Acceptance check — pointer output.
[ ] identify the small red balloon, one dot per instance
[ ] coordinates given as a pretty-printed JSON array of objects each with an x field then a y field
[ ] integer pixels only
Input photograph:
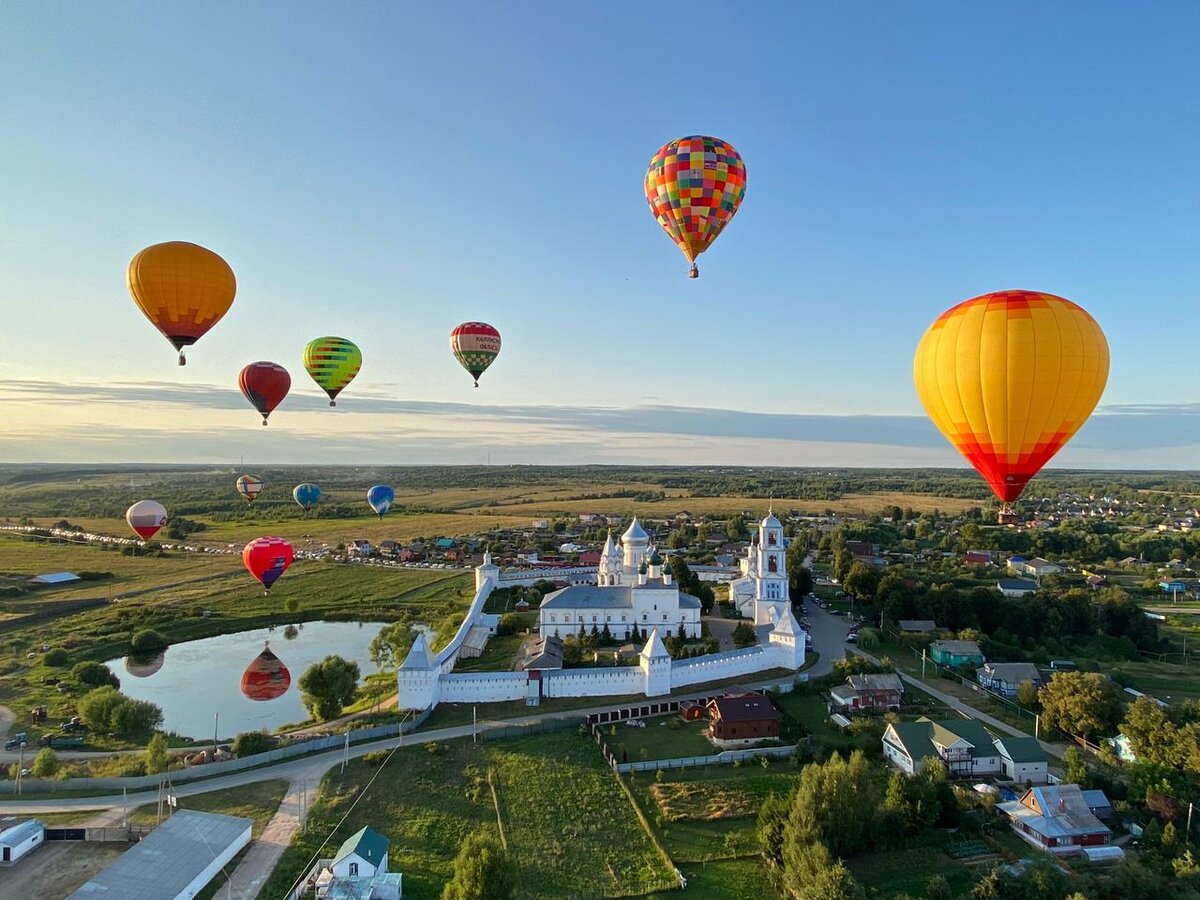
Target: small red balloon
[
  {"x": 266, "y": 678},
  {"x": 265, "y": 384}
]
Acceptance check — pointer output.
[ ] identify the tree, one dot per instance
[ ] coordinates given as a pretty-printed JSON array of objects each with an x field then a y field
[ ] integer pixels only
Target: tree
[
  {"x": 744, "y": 636},
  {"x": 833, "y": 805},
  {"x": 1074, "y": 767},
  {"x": 96, "y": 674},
  {"x": 326, "y": 687},
  {"x": 772, "y": 818},
  {"x": 1081, "y": 703},
  {"x": 389, "y": 647},
  {"x": 1152, "y": 735},
  {"x": 45, "y": 764},
  {"x": 811, "y": 873},
  {"x": 56, "y": 658},
  {"x": 157, "y": 758},
  {"x": 248, "y": 743},
  {"x": 862, "y": 581},
  {"x": 938, "y": 888},
  {"x": 134, "y": 718},
  {"x": 1027, "y": 694},
  {"x": 483, "y": 870},
  {"x": 147, "y": 641},
  {"x": 96, "y": 707}
]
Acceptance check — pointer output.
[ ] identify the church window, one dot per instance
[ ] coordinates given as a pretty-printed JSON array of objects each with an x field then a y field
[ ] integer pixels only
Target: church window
[
  {"x": 771, "y": 538},
  {"x": 622, "y": 617},
  {"x": 772, "y": 563},
  {"x": 594, "y": 617},
  {"x": 552, "y": 619},
  {"x": 664, "y": 617},
  {"x": 643, "y": 617},
  {"x": 353, "y": 870}
]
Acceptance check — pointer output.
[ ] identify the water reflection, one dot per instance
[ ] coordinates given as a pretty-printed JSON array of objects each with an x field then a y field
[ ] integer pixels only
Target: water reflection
[{"x": 197, "y": 680}]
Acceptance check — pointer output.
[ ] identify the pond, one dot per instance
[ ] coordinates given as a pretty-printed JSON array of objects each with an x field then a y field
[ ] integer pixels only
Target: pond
[{"x": 196, "y": 680}]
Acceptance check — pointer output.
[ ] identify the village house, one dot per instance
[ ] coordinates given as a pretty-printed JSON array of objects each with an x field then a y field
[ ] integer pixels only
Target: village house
[
  {"x": 1036, "y": 567},
  {"x": 967, "y": 748},
  {"x": 865, "y": 551},
  {"x": 1005, "y": 678},
  {"x": 740, "y": 720},
  {"x": 1059, "y": 819},
  {"x": 880, "y": 692},
  {"x": 917, "y": 626},
  {"x": 956, "y": 653},
  {"x": 359, "y": 870},
  {"x": 360, "y": 547},
  {"x": 978, "y": 558},
  {"x": 1016, "y": 587}
]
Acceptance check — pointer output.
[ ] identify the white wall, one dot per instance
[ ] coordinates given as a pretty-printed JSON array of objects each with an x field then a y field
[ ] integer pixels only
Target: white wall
[
  {"x": 572, "y": 575},
  {"x": 715, "y": 666},
  {"x": 482, "y": 687},
  {"x": 598, "y": 682}
]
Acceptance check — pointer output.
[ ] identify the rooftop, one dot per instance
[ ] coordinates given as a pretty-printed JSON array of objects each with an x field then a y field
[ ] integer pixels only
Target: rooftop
[
  {"x": 19, "y": 832},
  {"x": 593, "y": 596},
  {"x": 743, "y": 708},
  {"x": 367, "y": 843},
  {"x": 169, "y": 858}
]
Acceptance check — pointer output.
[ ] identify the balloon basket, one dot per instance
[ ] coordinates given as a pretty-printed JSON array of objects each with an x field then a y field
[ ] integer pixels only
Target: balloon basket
[
  {"x": 694, "y": 272},
  {"x": 182, "y": 359},
  {"x": 264, "y": 422},
  {"x": 333, "y": 403}
]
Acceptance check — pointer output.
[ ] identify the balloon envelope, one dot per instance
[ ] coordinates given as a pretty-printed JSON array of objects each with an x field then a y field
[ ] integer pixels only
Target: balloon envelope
[
  {"x": 306, "y": 494},
  {"x": 146, "y": 517},
  {"x": 183, "y": 289},
  {"x": 264, "y": 384},
  {"x": 1008, "y": 378},
  {"x": 381, "y": 497},
  {"x": 694, "y": 186},
  {"x": 332, "y": 362},
  {"x": 266, "y": 678},
  {"x": 249, "y": 486},
  {"x": 476, "y": 346},
  {"x": 266, "y": 558},
  {"x": 145, "y": 666}
]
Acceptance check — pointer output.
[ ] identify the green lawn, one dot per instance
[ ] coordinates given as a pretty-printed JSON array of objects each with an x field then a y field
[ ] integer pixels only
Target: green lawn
[
  {"x": 906, "y": 872},
  {"x": 567, "y": 821},
  {"x": 500, "y": 655},
  {"x": 664, "y": 737},
  {"x": 259, "y": 801},
  {"x": 726, "y": 879}
]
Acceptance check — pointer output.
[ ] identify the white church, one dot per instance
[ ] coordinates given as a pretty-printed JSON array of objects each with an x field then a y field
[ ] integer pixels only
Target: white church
[
  {"x": 632, "y": 592},
  {"x": 761, "y": 593}
]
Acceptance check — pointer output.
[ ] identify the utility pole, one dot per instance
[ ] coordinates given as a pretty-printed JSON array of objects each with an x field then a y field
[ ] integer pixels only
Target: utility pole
[
  {"x": 346, "y": 753},
  {"x": 1037, "y": 724},
  {"x": 922, "y": 663},
  {"x": 216, "y": 719},
  {"x": 474, "y": 726},
  {"x": 1187, "y": 835},
  {"x": 124, "y": 807}
]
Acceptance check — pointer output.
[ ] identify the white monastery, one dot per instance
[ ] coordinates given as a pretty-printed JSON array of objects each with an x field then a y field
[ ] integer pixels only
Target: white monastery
[
  {"x": 632, "y": 593},
  {"x": 629, "y": 593}
]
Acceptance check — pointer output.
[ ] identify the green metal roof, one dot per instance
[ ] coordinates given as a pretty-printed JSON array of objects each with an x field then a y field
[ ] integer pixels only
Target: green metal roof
[
  {"x": 918, "y": 737},
  {"x": 367, "y": 843},
  {"x": 1022, "y": 750}
]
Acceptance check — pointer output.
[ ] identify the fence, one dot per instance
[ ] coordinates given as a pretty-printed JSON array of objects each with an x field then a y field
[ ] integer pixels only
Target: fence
[
  {"x": 207, "y": 770},
  {"x": 506, "y": 731},
  {"x": 726, "y": 757}
]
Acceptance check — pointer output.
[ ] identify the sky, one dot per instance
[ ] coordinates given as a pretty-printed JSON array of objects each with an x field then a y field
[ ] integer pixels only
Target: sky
[{"x": 386, "y": 171}]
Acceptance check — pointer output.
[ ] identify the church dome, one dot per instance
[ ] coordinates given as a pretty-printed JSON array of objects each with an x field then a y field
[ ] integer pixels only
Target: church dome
[
  {"x": 771, "y": 522},
  {"x": 636, "y": 533},
  {"x": 655, "y": 559}
]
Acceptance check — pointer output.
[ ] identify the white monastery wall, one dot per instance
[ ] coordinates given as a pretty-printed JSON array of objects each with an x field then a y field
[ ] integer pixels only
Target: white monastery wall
[
  {"x": 599, "y": 682},
  {"x": 716, "y": 666},
  {"x": 481, "y": 687}
]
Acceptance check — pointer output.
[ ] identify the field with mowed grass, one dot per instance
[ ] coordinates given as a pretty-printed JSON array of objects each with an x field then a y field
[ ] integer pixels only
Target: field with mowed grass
[{"x": 567, "y": 821}]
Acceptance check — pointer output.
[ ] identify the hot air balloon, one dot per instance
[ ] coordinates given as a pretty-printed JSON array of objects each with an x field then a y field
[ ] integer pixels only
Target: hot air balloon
[
  {"x": 249, "y": 486},
  {"x": 381, "y": 497},
  {"x": 145, "y": 666},
  {"x": 694, "y": 186},
  {"x": 332, "y": 362},
  {"x": 306, "y": 495},
  {"x": 264, "y": 384},
  {"x": 145, "y": 518},
  {"x": 184, "y": 290},
  {"x": 266, "y": 558},
  {"x": 476, "y": 346},
  {"x": 1008, "y": 378},
  {"x": 266, "y": 678}
]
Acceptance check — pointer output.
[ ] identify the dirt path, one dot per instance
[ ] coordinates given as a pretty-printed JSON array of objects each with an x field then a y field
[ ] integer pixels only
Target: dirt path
[{"x": 332, "y": 724}]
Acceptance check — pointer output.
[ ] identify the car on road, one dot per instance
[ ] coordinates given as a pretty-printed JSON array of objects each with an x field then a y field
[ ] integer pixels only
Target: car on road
[{"x": 852, "y": 638}]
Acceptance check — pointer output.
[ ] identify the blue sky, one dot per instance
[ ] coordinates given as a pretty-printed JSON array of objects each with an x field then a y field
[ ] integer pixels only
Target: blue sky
[{"x": 385, "y": 172}]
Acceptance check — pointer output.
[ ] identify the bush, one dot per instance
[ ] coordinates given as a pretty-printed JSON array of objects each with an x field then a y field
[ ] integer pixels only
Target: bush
[
  {"x": 147, "y": 641},
  {"x": 744, "y": 636},
  {"x": 248, "y": 743},
  {"x": 45, "y": 765},
  {"x": 510, "y": 623},
  {"x": 95, "y": 674},
  {"x": 56, "y": 658},
  {"x": 375, "y": 758},
  {"x": 106, "y": 709}
]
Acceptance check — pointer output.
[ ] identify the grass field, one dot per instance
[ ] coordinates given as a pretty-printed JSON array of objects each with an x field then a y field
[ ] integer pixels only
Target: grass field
[
  {"x": 904, "y": 873},
  {"x": 725, "y": 879},
  {"x": 569, "y": 825},
  {"x": 664, "y": 737},
  {"x": 258, "y": 801}
]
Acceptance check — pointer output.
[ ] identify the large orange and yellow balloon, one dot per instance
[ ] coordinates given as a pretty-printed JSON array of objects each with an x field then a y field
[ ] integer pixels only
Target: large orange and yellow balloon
[
  {"x": 1008, "y": 378},
  {"x": 183, "y": 289},
  {"x": 694, "y": 186}
]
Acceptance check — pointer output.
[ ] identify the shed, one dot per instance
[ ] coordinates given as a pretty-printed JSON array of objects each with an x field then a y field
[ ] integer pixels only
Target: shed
[
  {"x": 55, "y": 578},
  {"x": 174, "y": 862},
  {"x": 19, "y": 837}
]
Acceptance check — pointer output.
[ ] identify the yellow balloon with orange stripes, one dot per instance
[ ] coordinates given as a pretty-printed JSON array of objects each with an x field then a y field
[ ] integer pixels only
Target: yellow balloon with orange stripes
[{"x": 1008, "y": 378}]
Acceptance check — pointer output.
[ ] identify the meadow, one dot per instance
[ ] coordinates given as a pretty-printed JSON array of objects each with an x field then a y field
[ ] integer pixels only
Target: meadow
[{"x": 564, "y": 817}]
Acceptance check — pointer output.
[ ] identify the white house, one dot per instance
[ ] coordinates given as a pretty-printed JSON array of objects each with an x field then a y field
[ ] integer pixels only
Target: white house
[
  {"x": 359, "y": 869},
  {"x": 762, "y": 591},
  {"x": 1036, "y": 567},
  {"x": 966, "y": 747},
  {"x": 633, "y": 593},
  {"x": 19, "y": 837},
  {"x": 1023, "y": 760},
  {"x": 1016, "y": 587}
]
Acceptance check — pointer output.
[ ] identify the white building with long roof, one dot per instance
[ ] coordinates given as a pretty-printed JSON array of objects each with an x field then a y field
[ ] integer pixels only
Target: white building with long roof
[{"x": 632, "y": 593}]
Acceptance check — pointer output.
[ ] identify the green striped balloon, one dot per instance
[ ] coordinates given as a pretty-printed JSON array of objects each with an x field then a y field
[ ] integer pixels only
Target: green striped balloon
[{"x": 332, "y": 362}]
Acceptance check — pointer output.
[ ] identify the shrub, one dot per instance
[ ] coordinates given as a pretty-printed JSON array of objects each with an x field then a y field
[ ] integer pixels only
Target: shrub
[
  {"x": 147, "y": 640},
  {"x": 249, "y": 743},
  {"x": 375, "y": 757},
  {"x": 95, "y": 674},
  {"x": 56, "y": 658},
  {"x": 45, "y": 765}
]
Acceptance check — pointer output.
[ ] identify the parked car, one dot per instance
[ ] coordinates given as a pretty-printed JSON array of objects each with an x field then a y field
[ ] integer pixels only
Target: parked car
[{"x": 852, "y": 638}]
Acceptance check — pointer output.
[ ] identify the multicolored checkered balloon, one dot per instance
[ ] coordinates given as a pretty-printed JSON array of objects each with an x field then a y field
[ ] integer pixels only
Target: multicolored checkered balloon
[
  {"x": 476, "y": 346},
  {"x": 694, "y": 186},
  {"x": 332, "y": 362}
]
